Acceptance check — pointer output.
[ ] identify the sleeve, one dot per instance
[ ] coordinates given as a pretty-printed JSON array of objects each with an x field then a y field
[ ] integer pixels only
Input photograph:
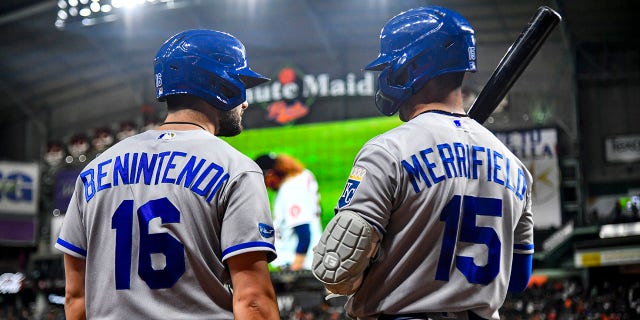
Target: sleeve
[
  {"x": 247, "y": 224},
  {"x": 520, "y": 272},
  {"x": 523, "y": 236},
  {"x": 303, "y": 232},
  {"x": 371, "y": 187},
  {"x": 73, "y": 238}
]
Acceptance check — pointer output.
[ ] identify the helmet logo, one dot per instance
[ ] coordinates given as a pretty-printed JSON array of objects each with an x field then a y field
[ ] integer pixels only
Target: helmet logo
[
  {"x": 158, "y": 80},
  {"x": 472, "y": 53}
]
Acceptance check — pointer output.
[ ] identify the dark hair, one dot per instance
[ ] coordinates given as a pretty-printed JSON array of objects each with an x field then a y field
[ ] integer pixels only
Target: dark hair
[
  {"x": 266, "y": 161},
  {"x": 440, "y": 86},
  {"x": 449, "y": 81},
  {"x": 177, "y": 102}
]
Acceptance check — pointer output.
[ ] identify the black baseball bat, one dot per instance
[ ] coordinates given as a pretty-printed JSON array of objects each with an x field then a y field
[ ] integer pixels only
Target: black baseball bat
[{"x": 517, "y": 58}]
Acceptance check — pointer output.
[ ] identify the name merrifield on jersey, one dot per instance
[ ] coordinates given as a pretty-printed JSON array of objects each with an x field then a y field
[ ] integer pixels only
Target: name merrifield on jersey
[
  {"x": 459, "y": 160},
  {"x": 171, "y": 167}
]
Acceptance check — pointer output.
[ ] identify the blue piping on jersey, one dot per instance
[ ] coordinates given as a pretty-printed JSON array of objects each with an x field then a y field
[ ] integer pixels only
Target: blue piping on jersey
[
  {"x": 246, "y": 245},
  {"x": 71, "y": 247},
  {"x": 304, "y": 238},
  {"x": 523, "y": 246}
]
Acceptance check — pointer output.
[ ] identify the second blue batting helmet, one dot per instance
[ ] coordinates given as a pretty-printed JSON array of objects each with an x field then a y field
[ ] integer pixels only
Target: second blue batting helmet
[
  {"x": 208, "y": 64},
  {"x": 416, "y": 46}
]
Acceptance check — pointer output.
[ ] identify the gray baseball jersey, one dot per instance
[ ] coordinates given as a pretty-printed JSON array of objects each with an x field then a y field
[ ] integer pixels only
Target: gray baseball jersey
[
  {"x": 156, "y": 216},
  {"x": 452, "y": 204}
]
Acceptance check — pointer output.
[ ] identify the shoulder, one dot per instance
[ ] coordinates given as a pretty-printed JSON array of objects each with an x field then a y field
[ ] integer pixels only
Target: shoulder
[{"x": 392, "y": 141}]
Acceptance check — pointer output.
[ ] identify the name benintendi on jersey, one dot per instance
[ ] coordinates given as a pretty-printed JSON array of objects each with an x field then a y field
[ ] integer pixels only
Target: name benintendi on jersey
[
  {"x": 456, "y": 160},
  {"x": 169, "y": 167}
]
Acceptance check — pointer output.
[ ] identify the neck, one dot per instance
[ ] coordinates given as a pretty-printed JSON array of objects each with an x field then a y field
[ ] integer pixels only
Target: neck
[
  {"x": 168, "y": 123},
  {"x": 452, "y": 103},
  {"x": 439, "y": 106},
  {"x": 188, "y": 120}
]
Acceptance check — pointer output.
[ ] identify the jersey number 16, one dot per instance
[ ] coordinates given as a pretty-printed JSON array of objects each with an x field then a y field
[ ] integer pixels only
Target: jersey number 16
[{"x": 150, "y": 243}]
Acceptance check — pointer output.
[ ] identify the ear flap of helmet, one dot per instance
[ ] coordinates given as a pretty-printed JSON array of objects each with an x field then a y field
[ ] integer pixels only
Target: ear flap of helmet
[{"x": 390, "y": 97}]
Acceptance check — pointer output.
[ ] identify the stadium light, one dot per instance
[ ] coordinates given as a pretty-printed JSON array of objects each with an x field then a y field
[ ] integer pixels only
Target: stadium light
[{"x": 91, "y": 12}]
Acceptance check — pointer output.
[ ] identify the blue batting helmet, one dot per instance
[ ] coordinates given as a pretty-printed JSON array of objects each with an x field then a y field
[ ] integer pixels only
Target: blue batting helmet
[
  {"x": 416, "y": 46},
  {"x": 208, "y": 64}
]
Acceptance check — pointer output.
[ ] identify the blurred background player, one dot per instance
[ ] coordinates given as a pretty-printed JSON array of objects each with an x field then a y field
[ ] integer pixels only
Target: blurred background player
[
  {"x": 296, "y": 210},
  {"x": 435, "y": 219},
  {"x": 78, "y": 148},
  {"x": 174, "y": 223},
  {"x": 126, "y": 130},
  {"x": 102, "y": 139}
]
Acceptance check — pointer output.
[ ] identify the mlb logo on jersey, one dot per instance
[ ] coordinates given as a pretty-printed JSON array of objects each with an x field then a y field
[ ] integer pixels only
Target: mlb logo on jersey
[
  {"x": 167, "y": 136},
  {"x": 266, "y": 230},
  {"x": 356, "y": 176}
]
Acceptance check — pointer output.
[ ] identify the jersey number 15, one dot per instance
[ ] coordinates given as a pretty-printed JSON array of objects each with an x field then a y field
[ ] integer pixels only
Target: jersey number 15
[{"x": 469, "y": 232}]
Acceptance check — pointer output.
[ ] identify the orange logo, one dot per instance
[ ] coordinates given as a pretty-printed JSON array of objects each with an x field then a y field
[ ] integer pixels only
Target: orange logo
[{"x": 284, "y": 111}]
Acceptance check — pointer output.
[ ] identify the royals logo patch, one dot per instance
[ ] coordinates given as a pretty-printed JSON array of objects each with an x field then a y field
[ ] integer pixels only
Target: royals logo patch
[{"x": 356, "y": 176}]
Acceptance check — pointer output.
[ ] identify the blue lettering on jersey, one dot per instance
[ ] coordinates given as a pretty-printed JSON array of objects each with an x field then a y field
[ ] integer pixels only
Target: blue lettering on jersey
[
  {"x": 448, "y": 159},
  {"x": 121, "y": 169},
  {"x": 189, "y": 172},
  {"x": 196, "y": 186},
  {"x": 102, "y": 174},
  {"x": 161, "y": 157},
  {"x": 475, "y": 160},
  {"x": 415, "y": 172},
  {"x": 266, "y": 231},
  {"x": 146, "y": 166},
  {"x": 89, "y": 186},
  {"x": 170, "y": 167},
  {"x": 430, "y": 165},
  {"x": 458, "y": 160}
]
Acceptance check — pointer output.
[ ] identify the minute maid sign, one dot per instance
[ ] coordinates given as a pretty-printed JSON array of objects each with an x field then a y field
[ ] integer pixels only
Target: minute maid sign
[{"x": 290, "y": 95}]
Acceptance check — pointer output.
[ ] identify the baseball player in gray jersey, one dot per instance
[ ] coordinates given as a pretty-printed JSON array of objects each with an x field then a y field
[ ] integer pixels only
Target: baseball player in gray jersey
[
  {"x": 174, "y": 223},
  {"x": 435, "y": 219}
]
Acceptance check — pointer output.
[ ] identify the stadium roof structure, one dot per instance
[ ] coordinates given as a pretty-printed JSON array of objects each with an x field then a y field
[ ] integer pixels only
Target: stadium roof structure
[{"x": 48, "y": 74}]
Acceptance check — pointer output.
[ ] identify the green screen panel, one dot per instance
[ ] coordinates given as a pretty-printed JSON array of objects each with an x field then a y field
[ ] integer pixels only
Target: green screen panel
[{"x": 327, "y": 149}]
